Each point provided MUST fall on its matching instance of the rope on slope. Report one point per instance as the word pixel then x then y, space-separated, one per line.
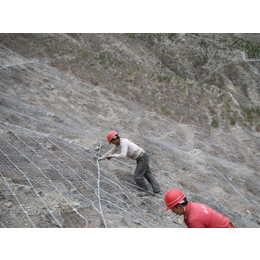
pixel 24 211
pixel 199 153
pixel 98 188
pixel 30 182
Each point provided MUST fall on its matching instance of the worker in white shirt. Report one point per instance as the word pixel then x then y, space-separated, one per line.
pixel 125 148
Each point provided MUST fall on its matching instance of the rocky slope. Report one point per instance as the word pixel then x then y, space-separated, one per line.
pixel 62 93
pixel 191 78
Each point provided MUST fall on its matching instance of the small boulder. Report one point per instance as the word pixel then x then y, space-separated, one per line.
pixel 8 204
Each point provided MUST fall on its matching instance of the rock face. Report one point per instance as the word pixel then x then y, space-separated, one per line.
pixel 61 94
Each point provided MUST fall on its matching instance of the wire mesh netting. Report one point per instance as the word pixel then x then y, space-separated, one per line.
pixel 47 182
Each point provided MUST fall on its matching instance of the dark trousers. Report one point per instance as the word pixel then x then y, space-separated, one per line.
pixel 143 172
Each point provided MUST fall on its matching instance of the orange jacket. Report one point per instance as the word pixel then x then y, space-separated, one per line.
pixel 200 216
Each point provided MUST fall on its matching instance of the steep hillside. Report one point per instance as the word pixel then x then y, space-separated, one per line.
pixel 61 94
pixel 202 79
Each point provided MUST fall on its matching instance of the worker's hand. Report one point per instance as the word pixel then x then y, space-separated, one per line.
pixel 108 157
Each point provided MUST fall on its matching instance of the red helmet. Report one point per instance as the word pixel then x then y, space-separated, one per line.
pixel 173 197
pixel 111 135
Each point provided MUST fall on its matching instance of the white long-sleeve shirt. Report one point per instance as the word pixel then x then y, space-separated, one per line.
pixel 125 149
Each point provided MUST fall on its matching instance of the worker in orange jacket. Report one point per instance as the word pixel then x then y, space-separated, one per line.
pixel 196 215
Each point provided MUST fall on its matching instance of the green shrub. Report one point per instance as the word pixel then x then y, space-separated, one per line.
pixel 84 54
pixel 165 111
pixel 232 120
pixel 164 78
pixel 249 112
pixel 253 50
pixel 214 123
pixel 228 107
pixel 101 57
pixel 131 36
pixel 171 35
pixel 256 110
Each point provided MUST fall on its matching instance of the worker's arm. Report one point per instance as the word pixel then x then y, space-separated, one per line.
pixel 108 154
pixel 122 154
